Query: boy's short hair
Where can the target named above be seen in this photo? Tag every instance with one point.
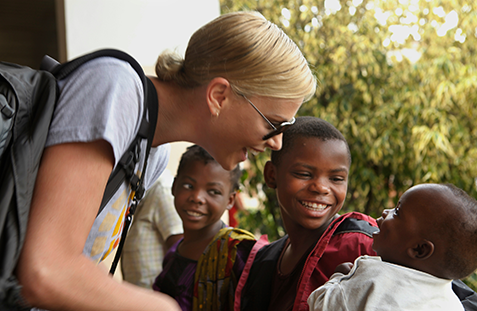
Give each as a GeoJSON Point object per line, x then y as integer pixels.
{"type": "Point", "coordinates": [460, 235]}
{"type": "Point", "coordinates": [197, 153]}
{"type": "Point", "coordinates": [309, 127]}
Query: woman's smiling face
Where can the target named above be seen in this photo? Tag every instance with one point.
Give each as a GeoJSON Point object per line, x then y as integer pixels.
{"type": "Point", "coordinates": [240, 128]}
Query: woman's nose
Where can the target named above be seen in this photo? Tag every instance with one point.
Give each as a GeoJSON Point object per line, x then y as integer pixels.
{"type": "Point", "coordinates": [385, 213]}
{"type": "Point", "coordinates": [275, 142]}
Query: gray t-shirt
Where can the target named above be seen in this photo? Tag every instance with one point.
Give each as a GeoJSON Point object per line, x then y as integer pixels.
{"type": "Point", "coordinates": [103, 99]}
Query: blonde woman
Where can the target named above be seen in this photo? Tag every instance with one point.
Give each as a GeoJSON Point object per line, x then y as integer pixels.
{"type": "Point", "coordinates": [239, 86]}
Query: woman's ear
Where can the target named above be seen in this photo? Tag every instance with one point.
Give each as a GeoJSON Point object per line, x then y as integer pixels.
{"type": "Point", "coordinates": [218, 90]}
{"type": "Point", "coordinates": [231, 202]}
{"type": "Point", "coordinates": [422, 250]}
{"type": "Point", "coordinates": [269, 172]}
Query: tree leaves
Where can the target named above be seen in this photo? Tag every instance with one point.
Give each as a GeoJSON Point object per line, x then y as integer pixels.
{"type": "Point", "coordinates": [407, 103]}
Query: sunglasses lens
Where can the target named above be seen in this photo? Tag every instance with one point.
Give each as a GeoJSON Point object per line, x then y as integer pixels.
{"type": "Point", "coordinates": [280, 129]}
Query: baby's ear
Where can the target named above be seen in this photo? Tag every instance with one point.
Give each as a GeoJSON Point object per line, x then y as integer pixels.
{"type": "Point", "coordinates": [269, 173]}
{"type": "Point", "coordinates": [422, 250]}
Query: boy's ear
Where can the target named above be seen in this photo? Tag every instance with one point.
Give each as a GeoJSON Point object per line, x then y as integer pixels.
{"type": "Point", "coordinates": [422, 250]}
{"type": "Point", "coordinates": [218, 90]}
{"type": "Point", "coordinates": [231, 201]}
{"type": "Point", "coordinates": [269, 172]}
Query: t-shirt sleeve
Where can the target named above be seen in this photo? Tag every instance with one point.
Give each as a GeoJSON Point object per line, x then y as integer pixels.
{"type": "Point", "coordinates": [102, 99]}
{"type": "Point", "coordinates": [328, 296]}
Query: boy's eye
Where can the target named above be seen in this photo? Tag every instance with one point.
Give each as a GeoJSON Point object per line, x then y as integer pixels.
{"type": "Point", "coordinates": [187, 186]}
{"type": "Point", "coordinates": [338, 179]}
{"type": "Point", "coordinates": [214, 192]}
{"type": "Point", "coordinates": [302, 174]}
{"type": "Point", "coordinates": [396, 211]}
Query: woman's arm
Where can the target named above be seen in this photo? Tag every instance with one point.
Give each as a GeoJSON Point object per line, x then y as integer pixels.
{"type": "Point", "coordinates": [52, 269]}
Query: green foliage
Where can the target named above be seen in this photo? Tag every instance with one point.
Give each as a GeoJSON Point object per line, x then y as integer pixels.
{"type": "Point", "coordinates": [407, 105]}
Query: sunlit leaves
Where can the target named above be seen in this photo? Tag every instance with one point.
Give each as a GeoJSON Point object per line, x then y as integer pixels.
{"type": "Point", "coordinates": [407, 103]}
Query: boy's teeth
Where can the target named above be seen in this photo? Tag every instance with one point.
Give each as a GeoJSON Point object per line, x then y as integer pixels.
{"type": "Point", "coordinates": [191, 213]}
{"type": "Point", "coordinates": [314, 206]}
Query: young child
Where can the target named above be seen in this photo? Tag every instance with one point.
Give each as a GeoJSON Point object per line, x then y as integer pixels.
{"type": "Point", "coordinates": [201, 270]}
{"type": "Point", "coordinates": [310, 176]}
{"type": "Point", "coordinates": [429, 239]}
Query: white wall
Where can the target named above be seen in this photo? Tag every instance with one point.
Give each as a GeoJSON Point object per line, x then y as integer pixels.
{"type": "Point", "coordinates": [142, 28]}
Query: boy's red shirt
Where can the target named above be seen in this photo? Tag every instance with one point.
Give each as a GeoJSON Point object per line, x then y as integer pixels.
{"type": "Point", "coordinates": [330, 251]}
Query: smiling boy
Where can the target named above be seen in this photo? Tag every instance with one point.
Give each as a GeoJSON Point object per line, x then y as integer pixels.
{"type": "Point", "coordinates": [310, 176]}
{"type": "Point", "coordinates": [429, 239]}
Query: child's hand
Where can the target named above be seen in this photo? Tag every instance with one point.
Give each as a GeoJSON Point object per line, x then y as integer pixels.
{"type": "Point", "coordinates": [344, 268]}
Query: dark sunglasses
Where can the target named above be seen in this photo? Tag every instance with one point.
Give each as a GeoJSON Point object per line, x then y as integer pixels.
{"type": "Point", "coordinates": [276, 129]}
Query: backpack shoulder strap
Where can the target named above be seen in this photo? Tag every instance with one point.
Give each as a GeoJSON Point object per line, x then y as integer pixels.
{"type": "Point", "coordinates": [61, 71]}
{"type": "Point", "coordinates": [150, 98]}
{"type": "Point", "coordinates": [262, 241]}
{"type": "Point", "coordinates": [125, 168]}
{"type": "Point", "coordinates": [355, 225]}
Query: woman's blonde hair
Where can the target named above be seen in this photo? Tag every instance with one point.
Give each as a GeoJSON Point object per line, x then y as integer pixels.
{"type": "Point", "coordinates": [253, 54]}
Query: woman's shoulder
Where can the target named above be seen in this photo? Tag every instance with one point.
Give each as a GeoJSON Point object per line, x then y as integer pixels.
{"type": "Point", "coordinates": [103, 71]}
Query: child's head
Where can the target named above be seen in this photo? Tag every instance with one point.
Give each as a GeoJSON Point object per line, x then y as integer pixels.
{"type": "Point", "coordinates": [310, 173]}
{"type": "Point", "coordinates": [202, 189]}
{"type": "Point", "coordinates": [433, 229]}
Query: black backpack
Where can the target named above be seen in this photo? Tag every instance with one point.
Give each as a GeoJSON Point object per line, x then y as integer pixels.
{"type": "Point", "coordinates": [27, 102]}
